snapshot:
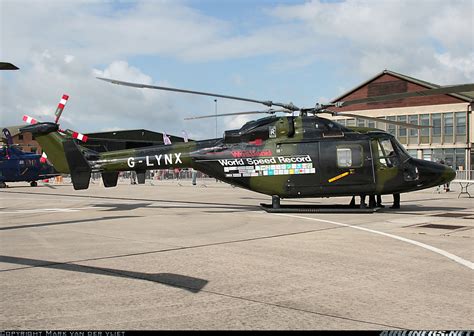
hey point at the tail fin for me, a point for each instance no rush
(78, 165)
(63, 153)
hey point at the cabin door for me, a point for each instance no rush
(346, 167)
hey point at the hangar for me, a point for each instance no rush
(451, 137)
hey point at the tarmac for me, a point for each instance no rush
(169, 255)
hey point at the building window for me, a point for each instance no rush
(449, 157)
(413, 132)
(413, 152)
(402, 131)
(427, 155)
(460, 158)
(350, 122)
(381, 125)
(20, 137)
(33, 149)
(436, 130)
(425, 132)
(460, 131)
(448, 127)
(392, 128)
(438, 155)
(452, 157)
(360, 122)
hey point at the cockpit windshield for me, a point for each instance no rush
(391, 152)
(387, 154)
(402, 151)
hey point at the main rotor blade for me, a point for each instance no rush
(429, 92)
(268, 103)
(399, 123)
(7, 66)
(238, 113)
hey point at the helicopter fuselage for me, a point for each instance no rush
(293, 157)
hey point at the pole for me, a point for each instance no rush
(215, 101)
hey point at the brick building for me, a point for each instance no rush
(26, 142)
(451, 137)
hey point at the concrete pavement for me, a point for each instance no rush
(177, 256)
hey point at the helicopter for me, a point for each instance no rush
(18, 166)
(284, 157)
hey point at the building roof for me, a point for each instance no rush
(121, 135)
(14, 130)
(466, 96)
(133, 135)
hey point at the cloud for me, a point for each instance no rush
(95, 106)
(398, 35)
(122, 71)
(77, 28)
(62, 46)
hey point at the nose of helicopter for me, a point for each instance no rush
(432, 174)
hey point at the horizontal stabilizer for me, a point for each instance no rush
(141, 177)
(110, 179)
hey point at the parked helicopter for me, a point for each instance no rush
(18, 166)
(284, 157)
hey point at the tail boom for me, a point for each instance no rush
(69, 158)
(150, 158)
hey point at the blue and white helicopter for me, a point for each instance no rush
(19, 166)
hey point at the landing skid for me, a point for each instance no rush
(314, 208)
(277, 207)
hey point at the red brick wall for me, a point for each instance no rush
(27, 143)
(394, 85)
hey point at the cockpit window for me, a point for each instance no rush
(387, 155)
(401, 150)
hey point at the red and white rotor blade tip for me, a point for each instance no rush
(29, 120)
(60, 108)
(79, 136)
(43, 157)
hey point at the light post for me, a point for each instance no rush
(215, 101)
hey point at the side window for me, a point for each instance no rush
(349, 156)
(344, 157)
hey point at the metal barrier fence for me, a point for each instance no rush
(465, 175)
(164, 174)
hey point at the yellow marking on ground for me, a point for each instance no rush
(335, 178)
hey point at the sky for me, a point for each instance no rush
(288, 51)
